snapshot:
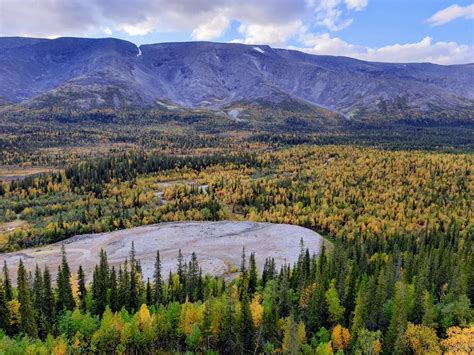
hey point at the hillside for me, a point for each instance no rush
(86, 74)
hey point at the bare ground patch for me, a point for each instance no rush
(218, 246)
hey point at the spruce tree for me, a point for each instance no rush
(27, 312)
(100, 284)
(253, 277)
(7, 282)
(227, 337)
(134, 301)
(246, 325)
(4, 311)
(65, 301)
(148, 293)
(38, 299)
(113, 291)
(82, 289)
(48, 310)
(158, 280)
(398, 321)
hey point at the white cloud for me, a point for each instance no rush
(424, 51)
(333, 14)
(274, 22)
(139, 29)
(276, 35)
(356, 4)
(451, 13)
(211, 30)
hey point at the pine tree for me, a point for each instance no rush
(361, 308)
(27, 312)
(48, 310)
(65, 301)
(4, 311)
(399, 319)
(7, 282)
(243, 272)
(246, 325)
(253, 277)
(158, 296)
(38, 299)
(82, 289)
(227, 337)
(284, 299)
(113, 289)
(148, 293)
(134, 301)
(100, 284)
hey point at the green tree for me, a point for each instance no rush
(246, 325)
(48, 311)
(27, 312)
(65, 300)
(398, 320)
(335, 309)
(193, 340)
(82, 289)
(253, 277)
(4, 311)
(158, 281)
(7, 282)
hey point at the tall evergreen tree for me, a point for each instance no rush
(38, 300)
(246, 325)
(148, 293)
(7, 282)
(398, 321)
(158, 295)
(253, 277)
(82, 289)
(27, 312)
(134, 295)
(48, 310)
(65, 300)
(227, 336)
(100, 284)
(4, 311)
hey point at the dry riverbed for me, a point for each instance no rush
(218, 246)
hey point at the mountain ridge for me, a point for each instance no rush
(85, 74)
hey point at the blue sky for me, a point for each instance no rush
(440, 31)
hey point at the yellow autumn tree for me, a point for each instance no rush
(190, 314)
(256, 309)
(340, 337)
(421, 339)
(459, 341)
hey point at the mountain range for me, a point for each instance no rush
(83, 74)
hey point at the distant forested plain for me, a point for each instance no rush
(395, 201)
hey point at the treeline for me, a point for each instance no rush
(410, 296)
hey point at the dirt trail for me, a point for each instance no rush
(218, 246)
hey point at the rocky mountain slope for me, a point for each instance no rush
(85, 74)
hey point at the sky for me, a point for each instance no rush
(438, 31)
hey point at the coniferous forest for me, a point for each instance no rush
(397, 276)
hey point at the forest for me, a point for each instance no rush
(398, 279)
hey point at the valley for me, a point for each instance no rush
(133, 177)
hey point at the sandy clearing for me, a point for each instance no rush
(218, 246)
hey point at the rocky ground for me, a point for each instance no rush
(218, 246)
